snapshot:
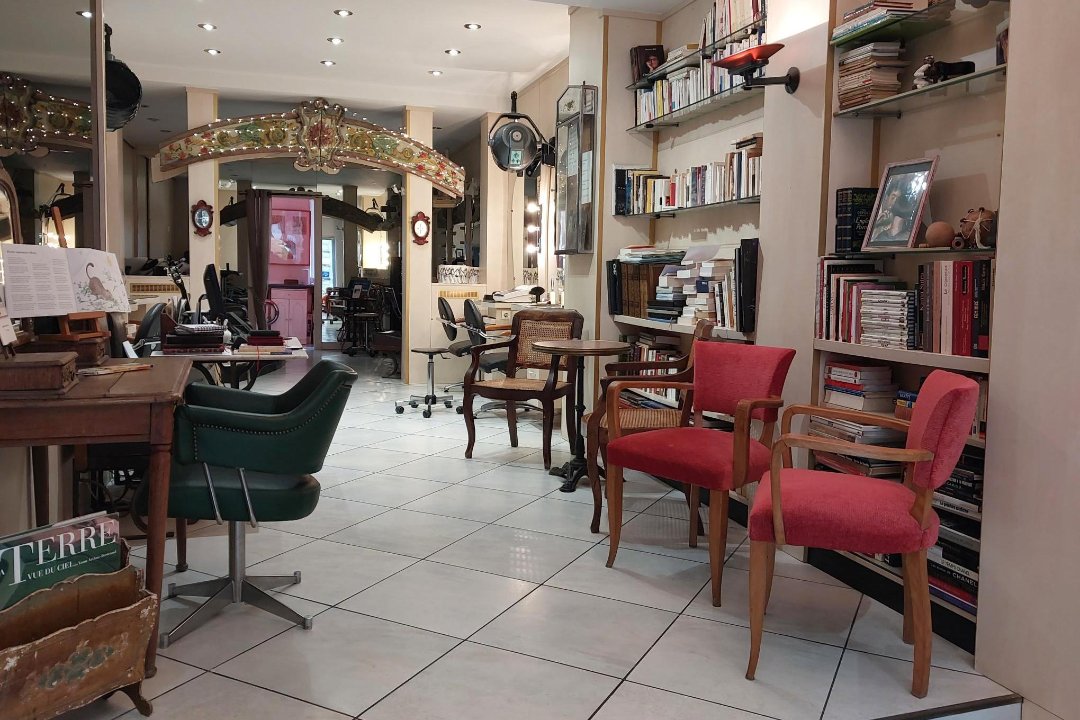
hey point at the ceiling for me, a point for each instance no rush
(272, 49)
(646, 8)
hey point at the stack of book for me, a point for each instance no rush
(853, 208)
(954, 560)
(905, 404)
(869, 73)
(263, 341)
(201, 339)
(688, 275)
(668, 303)
(647, 254)
(860, 387)
(859, 466)
(886, 318)
(637, 287)
(874, 14)
(854, 432)
(954, 306)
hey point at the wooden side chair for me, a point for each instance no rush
(526, 327)
(744, 381)
(837, 511)
(633, 419)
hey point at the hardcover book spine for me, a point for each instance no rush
(748, 263)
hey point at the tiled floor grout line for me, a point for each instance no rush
(840, 662)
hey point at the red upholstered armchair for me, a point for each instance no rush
(836, 511)
(744, 381)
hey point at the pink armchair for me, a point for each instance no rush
(836, 511)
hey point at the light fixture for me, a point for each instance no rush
(531, 249)
(343, 13)
(531, 228)
(328, 63)
(452, 52)
(517, 144)
(473, 26)
(212, 51)
(334, 40)
(207, 26)
(532, 207)
(84, 13)
(435, 73)
(747, 62)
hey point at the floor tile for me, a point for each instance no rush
(407, 533)
(879, 629)
(460, 432)
(495, 452)
(212, 696)
(385, 490)
(420, 444)
(337, 447)
(331, 515)
(707, 660)
(786, 566)
(532, 481)
(656, 581)
(330, 571)
(806, 610)
(638, 495)
(535, 460)
(872, 686)
(373, 460)
(488, 684)
(442, 469)
(471, 503)
(513, 552)
(330, 475)
(558, 518)
(529, 437)
(637, 702)
(671, 536)
(170, 674)
(208, 548)
(592, 633)
(441, 598)
(365, 436)
(411, 421)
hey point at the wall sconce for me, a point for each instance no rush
(747, 62)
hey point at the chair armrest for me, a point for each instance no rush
(224, 398)
(616, 388)
(858, 416)
(497, 327)
(477, 350)
(741, 446)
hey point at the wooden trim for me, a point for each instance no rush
(601, 184)
(97, 115)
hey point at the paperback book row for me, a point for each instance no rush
(721, 289)
(736, 177)
(947, 312)
(728, 18)
(875, 14)
(649, 347)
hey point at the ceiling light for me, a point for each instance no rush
(84, 13)
(532, 207)
(207, 26)
(212, 51)
(452, 52)
(435, 73)
(343, 13)
(531, 228)
(334, 40)
(328, 63)
(531, 249)
(472, 26)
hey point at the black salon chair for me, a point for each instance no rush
(458, 348)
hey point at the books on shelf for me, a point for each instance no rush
(650, 347)
(853, 208)
(868, 73)
(729, 18)
(874, 14)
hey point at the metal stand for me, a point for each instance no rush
(237, 588)
(577, 467)
(431, 398)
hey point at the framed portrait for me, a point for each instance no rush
(898, 211)
(290, 237)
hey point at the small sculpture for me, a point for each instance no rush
(940, 235)
(934, 71)
(978, 228)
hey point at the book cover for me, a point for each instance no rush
(746, 273)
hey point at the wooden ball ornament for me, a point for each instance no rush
(979, 228)
(940, 234)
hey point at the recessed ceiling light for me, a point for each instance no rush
(452, 52)
(334, 40)
(473, 26)
(207, 26)
(328, 63)
(343, 13)
(435, 73)
(212, 51)
(84, 13)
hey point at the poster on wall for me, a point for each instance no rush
(290, 237)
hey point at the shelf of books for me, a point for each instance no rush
(892, 21)
(679, 329)
(980, 82)
(653, 121)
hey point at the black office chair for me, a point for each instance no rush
(457, 348)
(446, 315)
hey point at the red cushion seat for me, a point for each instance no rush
(698, 456)
(835, 511)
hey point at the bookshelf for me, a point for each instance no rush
(908, 357)
(677, 329)
(711, 104)
(980, 82)
(672, 212)
(906, 28)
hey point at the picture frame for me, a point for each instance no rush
(645, 59)
(290, 237)
(902, 199)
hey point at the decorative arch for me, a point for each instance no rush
(33, 121)
(319, 136)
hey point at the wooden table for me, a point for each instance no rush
(126, 407)
(577, 468)
(292, 350)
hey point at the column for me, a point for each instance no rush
(416, 259)
(495, 256)
(115, 240)
(202, 177)
(350, 257)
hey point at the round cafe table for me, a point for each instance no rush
(576, 468)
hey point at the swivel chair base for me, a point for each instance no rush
(431, 398)
(237, 588)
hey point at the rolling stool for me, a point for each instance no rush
(431, 398)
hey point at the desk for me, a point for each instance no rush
(126, 407)
(292, 350)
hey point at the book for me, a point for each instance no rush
(853, 208)
(41, 557)
(44, 281)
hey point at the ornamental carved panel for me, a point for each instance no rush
(33, 121)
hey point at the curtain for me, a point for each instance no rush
(258, 243)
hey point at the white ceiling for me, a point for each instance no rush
(271, 50)
(647, 8)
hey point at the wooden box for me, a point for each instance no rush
(91, 351)
(66, 646)
(38, 371)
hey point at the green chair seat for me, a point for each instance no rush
(275, 498)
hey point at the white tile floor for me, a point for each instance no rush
(445, 588)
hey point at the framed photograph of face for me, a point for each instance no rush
(898, 211)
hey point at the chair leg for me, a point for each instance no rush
(920, 622)
(693, 499)
(511, 423)
(253, 595)
(909, 630)
(614, 509)
(591, 451)
(470, 422)
(181, 545)
(549, 423)
(205, 612)
(770, 565)
(718, 514)
(759, 560)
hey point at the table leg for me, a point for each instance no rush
(39, 467)
(158, 477)
(576, 468)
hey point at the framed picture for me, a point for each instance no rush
(290, 237)
(901, 201)
(644, 59)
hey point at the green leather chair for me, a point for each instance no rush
(243, 457)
